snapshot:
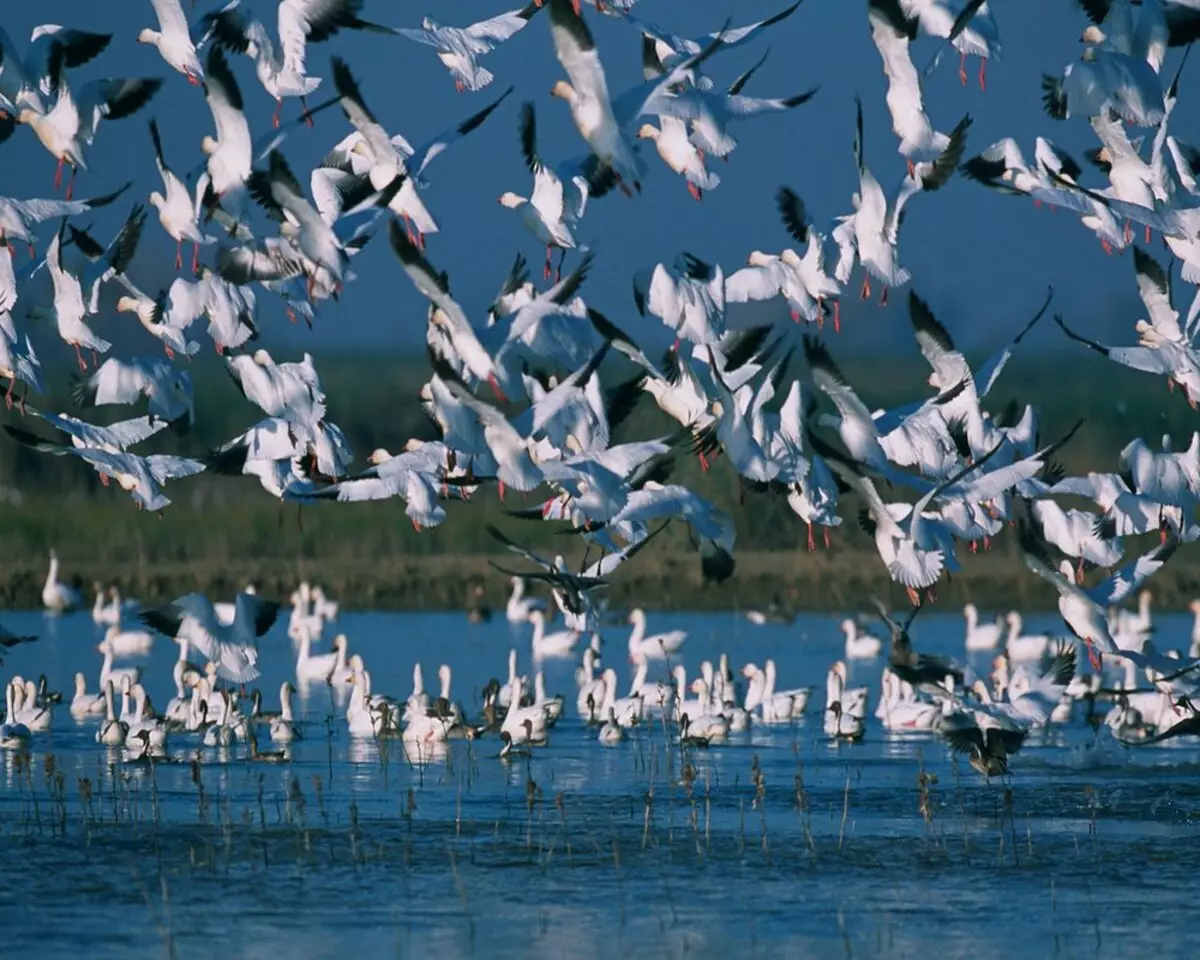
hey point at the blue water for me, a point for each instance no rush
(586, 850)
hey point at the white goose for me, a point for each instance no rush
(115, 674)
(519, 606)
(1023, 646)
(58, 597)
(459, 48)
(506, 696)
(173, 40)
(860, 645)
(13, 735)
(626, 710)
(321, 666)
(128, 643)
(178, 212)
(112, 731)
(85, 704)
(524, 724)
(654, 647)
(283, 727)
(981, 636)
(144, 729)
(550, 645)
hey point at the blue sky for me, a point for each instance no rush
(983, 260)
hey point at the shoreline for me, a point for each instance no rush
(840, 580)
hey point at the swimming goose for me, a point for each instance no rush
(524, 724)
(604, 123)
(702, 729)
(459, 48)
(627, 711)
(112, 731)
(507, 695)
(58, 597)
(323, 666)
(143, 725)
(981, 636)
(70, 126)
(173, 40)
(284, 727)
(85, 704)
(550, 645)
(610, 730)
(860, 645)
(870, 234)
(519, 606)
(299, 22)
(1084, 610)
(128, 643)
(232, 648)
(656, 647)
(1024, 646)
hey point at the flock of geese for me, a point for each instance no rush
(547, 420)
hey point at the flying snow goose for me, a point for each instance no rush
(173, 39)
(18, 361)
(689, 297)
(69, 308)
(445, 312)
(1079, 533)
(459, 48)
(231, 648)
(370, 152)
(168, 391)
(669, 49)
(70, 126)
(18, 217)
(674, 145)
(24, 80)
(230, 154)
(166, 317)
(870, 234)
(177, 211)
(139, 476)
(73, 432)
(1084, 610)
(605, 124)
(560, 194)
(299, 23)
(1106, 79)
(970, 28)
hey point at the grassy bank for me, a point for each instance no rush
(223, 532)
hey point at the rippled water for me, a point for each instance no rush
(587, 850)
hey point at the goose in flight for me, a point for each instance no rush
(923, 671)
(178, 213)
(1106, 79)
(871, 233)
(459, 48)
(173, 40)
(1182, 19)
(1163, 348)
(968, 27)
(70, 126)
(370, 152)
(69, 308)
(560, 194)
(18, 217)
(168, 391)
(24, 80)
(1084, 610)
(282, 71)
(689, 297)
(232, 647)
(663, 49)
(79, 434)
(18, 361)
(604, 123)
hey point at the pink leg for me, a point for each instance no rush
(275, 115)
(307, 116)
(983, 73)
(549, 261)
(178, 254)
(837, 316)
(79, 359)
(962, 70)
(866, 286)
(496, 387)
(825, 536)
(58, 174)
(883, 298)
(694, 191)
(195, 257)
(71, 185)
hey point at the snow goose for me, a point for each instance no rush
(143, 725)
(230, 154)
(591, 689)
(708, 114)
(69, 307)
(299, 22)
(674, 145)
(610, 730)
(524, 724)
(118, 675)
(860, 645)
(870, 234)
(506, 696)
(13, 734)
(167, 316)
(139, 476)
(627, 711)
(845, 711)
(656, 647)
(1084, 610)
(284, 727)
(19, 217)
(58, 597)
(26, 78)
(1194, 649)
(981, 636)
(112, 731)
(604, 123)
(798, 695)
(85, 704)
(177, 211)
(1020, 646)
(520, 607)
(168, 391)
(70, 126)
(702, 729)
(459, 48)
(1106, 79)
(128, 643)
(1079, 533)
(663, 49)
(1169, 478)
(688, 296)
(550, 645)
(560, 194)
(322, 666)
(232, 648)
(173, 39)
(970, 28)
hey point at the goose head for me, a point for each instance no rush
(648, 131)
(561, 89)
(511, 200)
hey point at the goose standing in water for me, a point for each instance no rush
(981, 636)
(58, 597)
